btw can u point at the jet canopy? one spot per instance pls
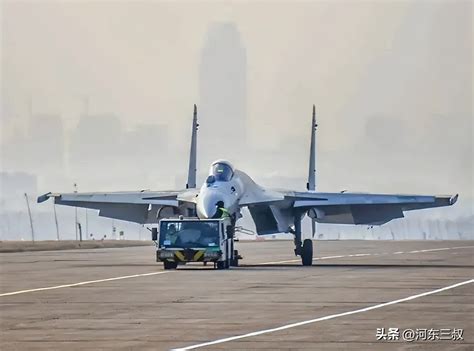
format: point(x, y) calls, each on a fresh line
point(222, 171)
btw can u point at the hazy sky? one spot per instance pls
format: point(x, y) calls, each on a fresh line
point(392, 80)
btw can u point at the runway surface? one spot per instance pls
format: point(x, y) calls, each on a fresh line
point(121, 299)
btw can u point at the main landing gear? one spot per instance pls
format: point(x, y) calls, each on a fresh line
point(302, 248)
point(307, 252)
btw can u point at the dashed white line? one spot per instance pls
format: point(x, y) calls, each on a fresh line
point(275, 262)
point(439, 249)
point(367, 254)
point(328, 257)
point(263, 263)
point(442, 249)
point(325, 318)
point(81, 283)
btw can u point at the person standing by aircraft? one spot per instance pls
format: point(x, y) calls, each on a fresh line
point(224, 212)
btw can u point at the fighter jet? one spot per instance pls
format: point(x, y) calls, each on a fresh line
point(227, 190)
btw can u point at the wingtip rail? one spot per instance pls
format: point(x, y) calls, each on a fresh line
point(43, 197)
point(453, 199)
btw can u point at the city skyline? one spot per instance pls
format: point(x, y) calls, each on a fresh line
point(223, 92)
point(394, 105)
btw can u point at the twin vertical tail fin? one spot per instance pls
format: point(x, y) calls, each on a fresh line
point(193, 153)
point(311, 184)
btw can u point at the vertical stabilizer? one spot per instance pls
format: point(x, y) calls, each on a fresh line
point(193, 153)
point(311, 185)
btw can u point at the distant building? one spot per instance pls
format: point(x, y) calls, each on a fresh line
point(147, 142)
point(12, 150)
point(103, 153)
point(36, 148)
point(96, 141)
point(13, 186)
point(45, 144)
point(223, 91)
point(147, 153)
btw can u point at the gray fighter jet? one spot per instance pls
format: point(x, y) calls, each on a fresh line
point(227, 190)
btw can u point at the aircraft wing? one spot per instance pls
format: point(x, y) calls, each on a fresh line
point(135, 206)
point(360, 208)
point(276, 216)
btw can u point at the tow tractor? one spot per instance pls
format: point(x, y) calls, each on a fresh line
point(184, 240)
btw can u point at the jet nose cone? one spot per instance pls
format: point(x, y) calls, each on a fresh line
point(208, 206)
point(209, 211)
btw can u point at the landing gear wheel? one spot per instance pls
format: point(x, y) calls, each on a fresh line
point(307, 252)
point(234, 261)
point(170, 265)
point(221, 265)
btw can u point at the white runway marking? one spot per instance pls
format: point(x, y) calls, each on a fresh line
point(366, 254)
point(327, 257)
point(325, 318)
point(275, 262)
point(264, 263)
point(82, 283)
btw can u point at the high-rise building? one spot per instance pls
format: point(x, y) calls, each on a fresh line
point(13, 186)
point(223, 92)
point(97, 141)
point(45, 143)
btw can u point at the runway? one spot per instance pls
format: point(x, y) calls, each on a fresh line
point(121, 299)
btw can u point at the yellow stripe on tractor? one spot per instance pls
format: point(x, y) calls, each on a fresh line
point(179, 255)
point(198, 255)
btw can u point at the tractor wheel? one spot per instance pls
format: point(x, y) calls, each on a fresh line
point(170, 264)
